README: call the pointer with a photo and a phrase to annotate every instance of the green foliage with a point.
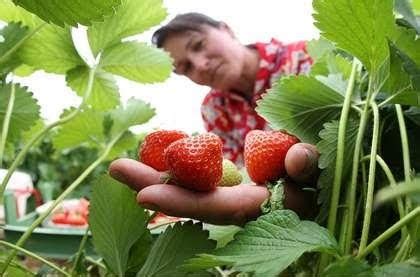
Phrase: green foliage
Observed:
(51, 49)
(70, 12)
(25, 113)
(137, 61)
(132, 17)
(364, 31)
(104, 95)
(301, 105)
(327, 147)
(12, 34)
(357, 268)
(411, 189)
(404, 8)
(270, 244)
(173, 247)
(135, 112)
(86, 128)
(116, 222)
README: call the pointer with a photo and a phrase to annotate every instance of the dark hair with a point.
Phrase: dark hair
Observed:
(181, 24)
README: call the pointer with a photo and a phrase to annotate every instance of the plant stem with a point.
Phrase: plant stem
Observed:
(349, 215)
(371, 178)
(403, 249)
(389, 99)
(43, 132)
(6, 122)
(79, 252)
(60, 198)
(405, 148)
(392, 183)
(389, 232)
(8, 53)
(335, 196)
(96, 262)
(35, 256)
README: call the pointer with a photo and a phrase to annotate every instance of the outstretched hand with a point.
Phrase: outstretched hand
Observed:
(224, 205)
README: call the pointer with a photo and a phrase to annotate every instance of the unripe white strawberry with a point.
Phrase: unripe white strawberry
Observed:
(231, 175)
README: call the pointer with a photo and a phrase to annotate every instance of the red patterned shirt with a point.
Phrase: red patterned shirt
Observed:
(231, 116)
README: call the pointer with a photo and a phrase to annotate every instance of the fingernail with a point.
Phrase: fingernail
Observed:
(118, 176)
(150, 206)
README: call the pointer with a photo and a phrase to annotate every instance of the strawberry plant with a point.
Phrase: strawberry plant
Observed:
(359, 105)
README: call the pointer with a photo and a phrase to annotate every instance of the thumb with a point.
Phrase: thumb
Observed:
(301, 163)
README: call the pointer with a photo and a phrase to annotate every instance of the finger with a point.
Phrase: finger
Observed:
(135, 174)
(225, 205)
(301, 162)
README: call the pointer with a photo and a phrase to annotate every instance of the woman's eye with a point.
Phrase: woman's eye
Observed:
(198, 45)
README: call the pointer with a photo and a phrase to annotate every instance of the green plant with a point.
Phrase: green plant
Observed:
(359, 105)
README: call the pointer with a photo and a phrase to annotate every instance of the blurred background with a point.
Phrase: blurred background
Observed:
(177, 100)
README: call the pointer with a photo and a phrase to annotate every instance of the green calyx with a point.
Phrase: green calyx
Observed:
(275, 200)
(231, 175)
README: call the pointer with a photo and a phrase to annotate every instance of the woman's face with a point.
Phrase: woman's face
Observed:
(211, 57)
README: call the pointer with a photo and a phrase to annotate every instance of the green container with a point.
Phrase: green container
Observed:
(56, 243)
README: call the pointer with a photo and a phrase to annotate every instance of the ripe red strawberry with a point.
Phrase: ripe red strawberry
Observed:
(264, 154)
(196, 162)
(154, 145)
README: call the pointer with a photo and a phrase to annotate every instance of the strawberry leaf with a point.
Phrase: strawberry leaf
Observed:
(70, 12)
(135, 112)
(404, 8)
(357, 268)
(406, 45)
(104, 95)
(12, 34)
(173, 247)
(131, 18)
(127, 142)
(327, 147)
(137, 61)
(279, 238)
(86, 128)
(360, 27)
(301, 105)
(116, 222)
(25, 113)
(50, 49)
(10, 12)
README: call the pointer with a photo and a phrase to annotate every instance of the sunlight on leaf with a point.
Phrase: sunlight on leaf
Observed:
(132, 17)
(104, 93)
(360, 27)
(70, 12)
(137, 62)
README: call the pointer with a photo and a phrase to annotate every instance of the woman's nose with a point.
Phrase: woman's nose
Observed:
(201, 63)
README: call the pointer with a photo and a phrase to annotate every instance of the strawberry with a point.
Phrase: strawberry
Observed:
(231, 175)
(264, 154)
(196, 162)
(154, 145)
(59, 218)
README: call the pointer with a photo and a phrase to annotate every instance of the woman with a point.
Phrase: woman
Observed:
(207, 52)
